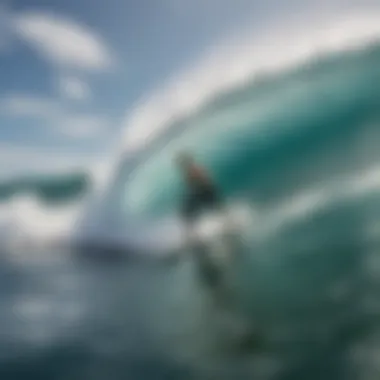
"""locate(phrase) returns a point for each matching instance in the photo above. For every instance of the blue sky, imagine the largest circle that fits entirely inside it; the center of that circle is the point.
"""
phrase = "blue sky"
(75, 76)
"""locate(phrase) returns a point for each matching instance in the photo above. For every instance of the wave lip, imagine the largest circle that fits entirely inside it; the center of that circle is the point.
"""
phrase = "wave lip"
(234, 63)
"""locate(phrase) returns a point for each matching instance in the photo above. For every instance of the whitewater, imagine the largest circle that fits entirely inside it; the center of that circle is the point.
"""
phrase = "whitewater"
(297, 150)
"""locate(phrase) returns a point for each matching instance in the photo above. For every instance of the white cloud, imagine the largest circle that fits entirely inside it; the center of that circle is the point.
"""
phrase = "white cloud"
(54, 115)
(18, 158)
(26, 105)
(64, 42)
(237, 60)
(73, 88)
(84, 126)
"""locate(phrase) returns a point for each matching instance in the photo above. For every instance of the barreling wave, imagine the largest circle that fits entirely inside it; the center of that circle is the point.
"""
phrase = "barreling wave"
(270, 144)
(251, 136)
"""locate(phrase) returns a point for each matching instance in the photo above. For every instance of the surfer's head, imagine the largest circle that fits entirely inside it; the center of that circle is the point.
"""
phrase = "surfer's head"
(184, 159)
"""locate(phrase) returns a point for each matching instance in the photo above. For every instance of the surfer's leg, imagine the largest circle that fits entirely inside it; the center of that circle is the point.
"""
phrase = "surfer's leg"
(189, 212)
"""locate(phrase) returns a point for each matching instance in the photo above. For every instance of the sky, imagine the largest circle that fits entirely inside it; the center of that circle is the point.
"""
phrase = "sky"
(79, 78)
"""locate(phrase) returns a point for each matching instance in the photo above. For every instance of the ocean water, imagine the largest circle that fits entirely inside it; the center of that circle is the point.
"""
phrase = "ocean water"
(299, 152)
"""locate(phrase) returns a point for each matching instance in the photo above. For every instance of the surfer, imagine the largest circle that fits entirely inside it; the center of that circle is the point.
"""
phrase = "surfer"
(201, 192)
(201, 195)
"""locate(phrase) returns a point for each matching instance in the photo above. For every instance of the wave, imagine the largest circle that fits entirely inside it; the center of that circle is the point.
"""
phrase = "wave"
(54, 188)
(40, 211)
(248, 135)
(282, 146)
(28, 225)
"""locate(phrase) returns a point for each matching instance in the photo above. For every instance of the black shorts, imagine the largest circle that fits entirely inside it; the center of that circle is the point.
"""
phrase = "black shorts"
(200, 200)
